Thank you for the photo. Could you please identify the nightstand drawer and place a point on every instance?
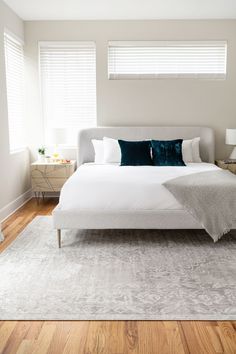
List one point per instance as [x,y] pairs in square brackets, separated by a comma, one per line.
[47,184]
[50,171]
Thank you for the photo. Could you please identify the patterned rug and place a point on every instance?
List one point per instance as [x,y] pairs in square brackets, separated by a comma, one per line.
[117,275]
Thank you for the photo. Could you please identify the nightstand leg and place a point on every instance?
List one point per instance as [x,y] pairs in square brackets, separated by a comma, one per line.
[37,197]
[59,237]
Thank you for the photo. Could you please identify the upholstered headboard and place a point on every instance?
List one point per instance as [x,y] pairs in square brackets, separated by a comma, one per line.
[86,151]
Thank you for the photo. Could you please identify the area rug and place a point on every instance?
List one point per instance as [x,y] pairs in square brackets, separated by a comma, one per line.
[117,275]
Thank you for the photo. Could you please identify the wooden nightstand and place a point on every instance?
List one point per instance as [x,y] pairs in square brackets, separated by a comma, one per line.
[50,177]
[227,166]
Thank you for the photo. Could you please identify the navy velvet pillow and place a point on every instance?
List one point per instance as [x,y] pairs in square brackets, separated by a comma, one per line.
[167,153]
[135,153]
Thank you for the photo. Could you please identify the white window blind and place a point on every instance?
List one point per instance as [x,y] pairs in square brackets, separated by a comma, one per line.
[14,61]
[68,85]
[167,59]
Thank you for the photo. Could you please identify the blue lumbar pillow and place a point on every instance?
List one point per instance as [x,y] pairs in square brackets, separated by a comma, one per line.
[167,152]
[135,153]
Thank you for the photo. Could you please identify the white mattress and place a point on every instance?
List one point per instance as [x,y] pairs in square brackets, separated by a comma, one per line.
[114,188]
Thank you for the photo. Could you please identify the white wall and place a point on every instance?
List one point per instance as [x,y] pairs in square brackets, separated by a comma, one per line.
[143,102]
[14,168]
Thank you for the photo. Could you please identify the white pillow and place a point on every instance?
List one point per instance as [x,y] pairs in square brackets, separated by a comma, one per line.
[99,151]
[190,150]
[196,153]
[111,150]
[187,151]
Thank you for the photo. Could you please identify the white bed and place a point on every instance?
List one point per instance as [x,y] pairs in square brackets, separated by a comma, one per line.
[111,196]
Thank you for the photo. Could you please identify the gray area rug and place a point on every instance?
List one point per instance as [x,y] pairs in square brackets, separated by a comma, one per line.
[117,274]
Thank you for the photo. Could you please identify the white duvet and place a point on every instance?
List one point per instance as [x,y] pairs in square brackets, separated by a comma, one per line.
[99,188]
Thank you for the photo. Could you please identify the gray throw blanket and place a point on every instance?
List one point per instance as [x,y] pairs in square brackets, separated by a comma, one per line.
[210,197]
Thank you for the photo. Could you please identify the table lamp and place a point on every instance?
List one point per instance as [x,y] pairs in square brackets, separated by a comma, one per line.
[230,139]
[58,138]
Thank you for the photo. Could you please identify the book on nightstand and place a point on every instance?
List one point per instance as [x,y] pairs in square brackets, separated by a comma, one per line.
[229,161]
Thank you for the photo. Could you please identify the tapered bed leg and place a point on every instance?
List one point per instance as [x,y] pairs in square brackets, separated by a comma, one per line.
[59,237]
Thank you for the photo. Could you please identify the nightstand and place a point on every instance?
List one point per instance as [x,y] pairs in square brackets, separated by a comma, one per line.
[50,177]
[227,166]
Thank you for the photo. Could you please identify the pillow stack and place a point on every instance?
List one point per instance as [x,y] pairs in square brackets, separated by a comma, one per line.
[176,152]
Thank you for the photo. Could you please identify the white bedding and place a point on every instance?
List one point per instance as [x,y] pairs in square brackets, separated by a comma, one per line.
[114,188]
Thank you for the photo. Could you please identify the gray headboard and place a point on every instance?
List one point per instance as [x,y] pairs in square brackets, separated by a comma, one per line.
[86,151]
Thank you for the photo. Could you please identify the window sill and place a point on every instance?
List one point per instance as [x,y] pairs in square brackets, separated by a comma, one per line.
[61,146]
[67,147]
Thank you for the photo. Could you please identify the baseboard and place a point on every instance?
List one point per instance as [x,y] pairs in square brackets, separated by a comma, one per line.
[48,195]
[10,208]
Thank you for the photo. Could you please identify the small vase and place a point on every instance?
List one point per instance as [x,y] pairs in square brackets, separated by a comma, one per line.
[41,158]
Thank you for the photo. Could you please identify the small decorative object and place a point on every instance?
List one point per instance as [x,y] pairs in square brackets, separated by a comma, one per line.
[64,161]
[55,156]
[41,154]
[48,159]
[230,139]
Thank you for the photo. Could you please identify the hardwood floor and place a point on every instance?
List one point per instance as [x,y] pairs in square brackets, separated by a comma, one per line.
[108,337]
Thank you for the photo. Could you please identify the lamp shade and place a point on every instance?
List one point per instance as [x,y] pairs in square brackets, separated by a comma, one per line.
[230,137]
[59,136]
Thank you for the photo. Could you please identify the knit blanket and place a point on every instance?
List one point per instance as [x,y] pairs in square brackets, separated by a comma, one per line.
[210,197]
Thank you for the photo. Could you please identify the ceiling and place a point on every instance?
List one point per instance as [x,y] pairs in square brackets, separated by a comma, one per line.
[123,9]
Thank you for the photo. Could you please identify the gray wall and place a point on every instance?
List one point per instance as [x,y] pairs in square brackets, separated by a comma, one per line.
[14,168]
[143,102]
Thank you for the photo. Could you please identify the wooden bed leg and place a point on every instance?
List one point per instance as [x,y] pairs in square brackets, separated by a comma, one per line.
[59,237]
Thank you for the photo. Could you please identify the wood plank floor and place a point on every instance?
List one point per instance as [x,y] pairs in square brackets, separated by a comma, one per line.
[108,337]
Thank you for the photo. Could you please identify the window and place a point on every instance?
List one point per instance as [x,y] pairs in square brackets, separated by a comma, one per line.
[68,87]
[14,61]
[161,59]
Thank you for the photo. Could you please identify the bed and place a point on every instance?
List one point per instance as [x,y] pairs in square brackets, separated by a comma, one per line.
[110,196]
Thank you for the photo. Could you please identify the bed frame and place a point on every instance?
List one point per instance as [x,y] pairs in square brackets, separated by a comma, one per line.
[165,219]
